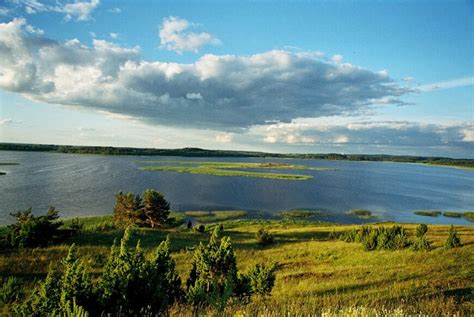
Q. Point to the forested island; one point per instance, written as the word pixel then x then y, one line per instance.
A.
pixel 198 152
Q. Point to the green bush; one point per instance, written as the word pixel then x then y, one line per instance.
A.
pixel 421 244
pixel 453 240
pixel 132 285
pixel 264 237
pixel 421 230
pixel 262 279
pixel 10 290
pixel 370 241
pixel 213 277
pixel 59 289
pixel 32 231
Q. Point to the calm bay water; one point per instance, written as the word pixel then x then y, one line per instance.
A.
pixel 82 185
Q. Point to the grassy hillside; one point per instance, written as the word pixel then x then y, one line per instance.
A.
pixel 315 273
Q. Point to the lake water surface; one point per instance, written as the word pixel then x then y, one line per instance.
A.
pixel 82 185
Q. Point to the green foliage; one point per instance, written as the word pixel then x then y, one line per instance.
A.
pixel 453 240
pixel 361 212
pixel 213 277
pixel 132 285
pixel 32 231
pixel 264 237
pixel 262 279
pixel 382 238
pixel 421 230
pixel 469 215
pixel 126 209
pixel 200 228
pixel 151 211
pixel 421 244
pixel 429 213
pixel 10 290
pixel 59 289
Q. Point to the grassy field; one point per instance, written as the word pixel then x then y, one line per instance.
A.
pixel 315 274
pixel 230 169
pixel 468 215
pixel 218 215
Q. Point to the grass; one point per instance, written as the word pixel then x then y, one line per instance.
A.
pixel 298 214
pixel 231 169
pixel 314 275
pixel 453 214
pixel 361 212
pixel 218 215
pixel 429 213
pixel 469 215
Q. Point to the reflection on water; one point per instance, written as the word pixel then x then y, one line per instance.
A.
pixel 85 185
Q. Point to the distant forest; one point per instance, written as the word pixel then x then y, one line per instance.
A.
pixel 197 152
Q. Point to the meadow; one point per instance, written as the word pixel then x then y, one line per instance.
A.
pixel 230 169
pixel 316 274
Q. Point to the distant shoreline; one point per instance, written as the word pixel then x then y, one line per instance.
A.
pixel 198 152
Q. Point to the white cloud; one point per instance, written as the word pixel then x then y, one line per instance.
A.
pixel 454 83
pixel 114 35
pixel 233 91
pixel 4 11
pixel 175 37
pixel 78 10
pixel 115 10
pixel 193 95
pixel 337 58
pixel 9 121
pixel 225 137
pixel 338 130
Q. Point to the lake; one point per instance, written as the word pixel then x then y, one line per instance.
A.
pixel 85 185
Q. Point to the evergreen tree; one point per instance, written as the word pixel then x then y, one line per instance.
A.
pixel 131 285
pixel 155 209
pixel 213 276
pixel 453 240
pixel 126 209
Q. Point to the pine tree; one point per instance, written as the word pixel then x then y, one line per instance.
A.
pixel 453 240
pixel 213 277
pixel 155 209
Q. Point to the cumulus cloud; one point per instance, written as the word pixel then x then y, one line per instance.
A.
pixel 337 58
pixel 174 36
pixel 78 10
pixel 225 137
pixel 226 92
pixel 338 130
pixel 114 35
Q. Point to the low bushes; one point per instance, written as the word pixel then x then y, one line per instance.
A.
pixel 133 284
pixel 34 231
pixel 383 238
pixel 264 237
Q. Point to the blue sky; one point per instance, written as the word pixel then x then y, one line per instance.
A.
pixel 284 76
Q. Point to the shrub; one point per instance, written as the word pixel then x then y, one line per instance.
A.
pixel 31 231
pixel 59 289
pixel 213 277
pixel 421 244
pixel 262 279
pixel 264 237
pixel 200 228
pixel 131 285
pixel 370 242
pixel 10 291
pixel 453 240
pixel 421 230
pixel 189 224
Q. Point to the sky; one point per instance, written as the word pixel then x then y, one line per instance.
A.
pixel 373 77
